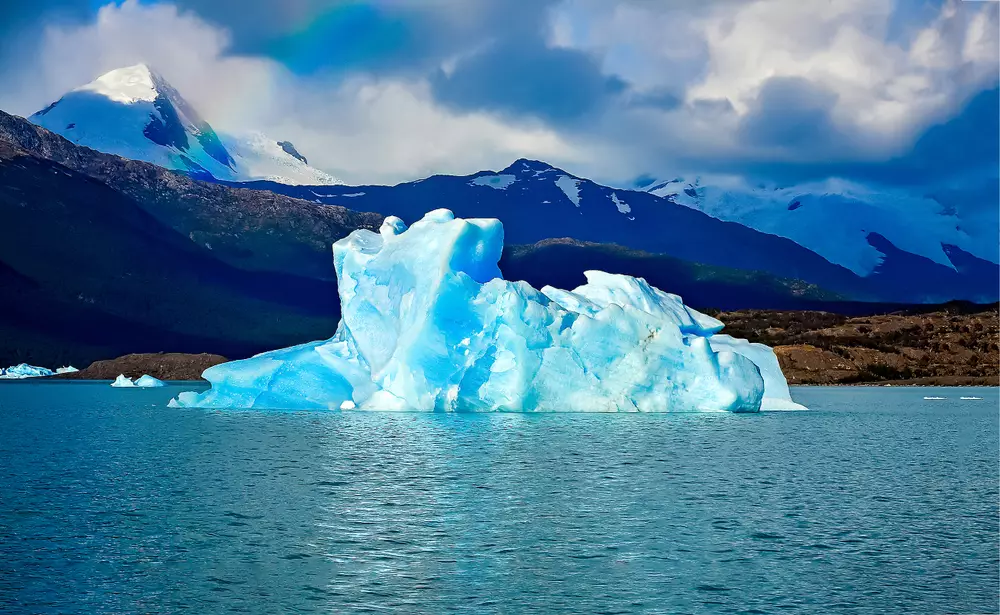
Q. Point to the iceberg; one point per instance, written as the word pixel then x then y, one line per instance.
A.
pixel 69 369
pixel 123 382
pixel 776 393
pixel 148 382
pixel 143 382
pixel 23 370
pixel 429 324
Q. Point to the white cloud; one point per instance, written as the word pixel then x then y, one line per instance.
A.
pixel 359 128
pixel 712 57
pixel 887 91
pixel 387 130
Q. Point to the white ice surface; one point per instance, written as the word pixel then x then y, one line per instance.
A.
pixel 123 382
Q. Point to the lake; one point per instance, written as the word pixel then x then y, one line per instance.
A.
pixel 874 501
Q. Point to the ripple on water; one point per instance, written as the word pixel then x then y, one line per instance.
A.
pixel 871 502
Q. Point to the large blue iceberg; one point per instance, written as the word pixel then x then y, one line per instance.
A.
pixel 429 324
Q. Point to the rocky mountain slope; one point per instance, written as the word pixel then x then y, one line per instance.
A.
pixel 161 365
pixel 954 345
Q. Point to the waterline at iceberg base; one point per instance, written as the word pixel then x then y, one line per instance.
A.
pixel 429 324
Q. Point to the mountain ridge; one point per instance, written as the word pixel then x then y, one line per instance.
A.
pixel 537 201
pixel 102 256
pixel 136 113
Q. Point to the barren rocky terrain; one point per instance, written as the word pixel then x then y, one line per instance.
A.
pixel 954 345
pixel 162 365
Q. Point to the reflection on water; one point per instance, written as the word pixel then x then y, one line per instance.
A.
pixel 874 501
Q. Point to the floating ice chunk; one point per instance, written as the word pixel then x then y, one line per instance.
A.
pixel 148 382
pixel 69 369
pixel 776 393
pixel 123 382
pixel 23 370
pixel 429 324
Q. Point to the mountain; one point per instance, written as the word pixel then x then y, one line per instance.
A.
pixel 856 226
pixel 135 113
pixel 102 256
pixel 538 202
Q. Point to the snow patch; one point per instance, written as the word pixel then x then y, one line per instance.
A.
pixel 570 187
pixel 498 182
pixel 621 205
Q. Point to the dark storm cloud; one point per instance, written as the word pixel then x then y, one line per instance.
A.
pixel 790 112
pixel 527 78
pixel 965 147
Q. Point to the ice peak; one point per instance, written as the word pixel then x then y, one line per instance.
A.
pixel 127 85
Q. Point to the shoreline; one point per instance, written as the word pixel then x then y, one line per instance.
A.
pixel 200 382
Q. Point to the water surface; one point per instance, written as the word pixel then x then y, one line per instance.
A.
pixel 875 501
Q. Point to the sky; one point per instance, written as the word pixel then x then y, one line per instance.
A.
pixel 894 92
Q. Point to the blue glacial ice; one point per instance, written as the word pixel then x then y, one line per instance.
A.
pixel 776 394
pixel 23 370
pixel 429 324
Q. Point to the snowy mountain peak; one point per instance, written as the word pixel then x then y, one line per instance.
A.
pixel 523 166
pixel 135 113
pixel 838 219
pixel 125 85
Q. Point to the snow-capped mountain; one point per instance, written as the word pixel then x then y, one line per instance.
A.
pixel 843 221
pixel 882 257
pixel 135 113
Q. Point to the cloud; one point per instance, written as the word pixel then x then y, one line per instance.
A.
pixel 362 127
pixel 387 90
pixel 526 78
pixel 784 81
pixel 790 113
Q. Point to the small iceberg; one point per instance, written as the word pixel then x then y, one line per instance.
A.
pixel 23 370
pixel 971 398
pixel 123 382
pixel 69 369
pixel 934 398
pixel 143 382
pixel 429 324
pixel 148 382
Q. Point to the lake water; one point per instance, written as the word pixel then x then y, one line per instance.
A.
pixel 875 501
